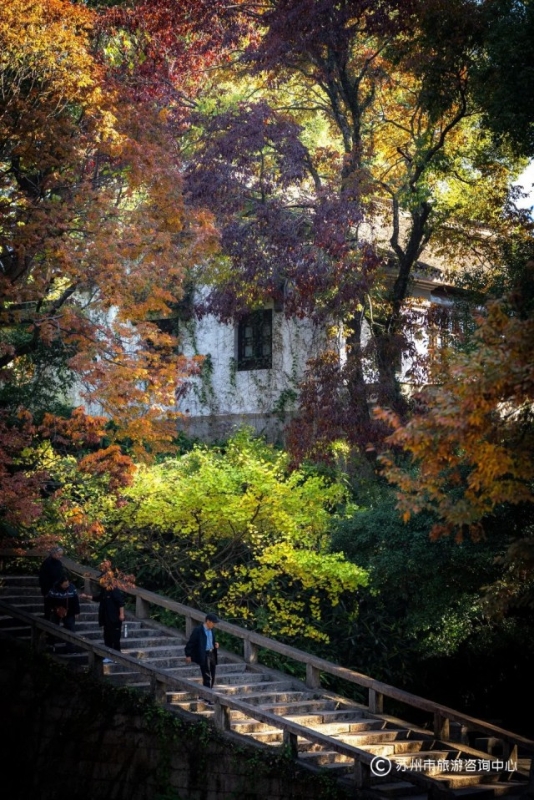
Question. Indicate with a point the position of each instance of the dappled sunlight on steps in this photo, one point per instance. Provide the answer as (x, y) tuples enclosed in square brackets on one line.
[(415, 763)]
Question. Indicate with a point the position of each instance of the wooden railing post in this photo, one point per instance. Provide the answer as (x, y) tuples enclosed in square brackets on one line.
[(313, 677), (362, 774), (142, 608), (290, 741), (158, 690), (221, 718), (38, 639), (376, 702), (95, 663), (441, 726), (250, 651)]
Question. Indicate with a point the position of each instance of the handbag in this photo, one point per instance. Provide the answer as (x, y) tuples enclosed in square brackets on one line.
[(60, 611)]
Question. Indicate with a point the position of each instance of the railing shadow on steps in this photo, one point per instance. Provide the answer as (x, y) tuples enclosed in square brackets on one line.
[(161, 682)]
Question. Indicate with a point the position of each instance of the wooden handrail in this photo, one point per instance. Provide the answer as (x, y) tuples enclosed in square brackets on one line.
[(314, 665), (163, 682)]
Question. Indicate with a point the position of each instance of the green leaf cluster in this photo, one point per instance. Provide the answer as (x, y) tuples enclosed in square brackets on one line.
[(233, 528)]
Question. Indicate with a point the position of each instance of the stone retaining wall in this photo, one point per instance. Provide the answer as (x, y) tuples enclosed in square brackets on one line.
[(69, 736)]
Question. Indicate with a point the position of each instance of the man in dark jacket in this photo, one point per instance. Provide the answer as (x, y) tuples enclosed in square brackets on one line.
[(64, 606), (202, 649), (50, 571), (110, 614)]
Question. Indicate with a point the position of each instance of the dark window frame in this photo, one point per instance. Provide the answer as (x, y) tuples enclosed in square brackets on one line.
[(255, 341)]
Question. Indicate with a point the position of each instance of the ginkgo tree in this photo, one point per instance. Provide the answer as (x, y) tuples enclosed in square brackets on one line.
[(233, 528)]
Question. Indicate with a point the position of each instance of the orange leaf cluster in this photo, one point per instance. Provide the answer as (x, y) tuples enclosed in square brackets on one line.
[(473, 444), (94, 236), (111, 578), (19, 491)]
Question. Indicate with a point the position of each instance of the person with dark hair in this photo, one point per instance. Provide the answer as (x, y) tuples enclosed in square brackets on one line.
[(50, 571), (64, 606), (110, 609), (202, 648)]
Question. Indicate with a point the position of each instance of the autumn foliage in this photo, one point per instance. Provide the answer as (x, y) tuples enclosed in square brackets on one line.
[(472, 444), (94, 238)]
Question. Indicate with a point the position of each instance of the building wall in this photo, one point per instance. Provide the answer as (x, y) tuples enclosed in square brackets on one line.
[(224, 397)]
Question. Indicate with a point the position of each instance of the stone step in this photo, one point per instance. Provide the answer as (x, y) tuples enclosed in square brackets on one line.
[(26, 601), (176, 661), (193, 673), (121, 676), (235, 684), (363, 737), (242, 686), (37, 608), (291, 707), (33, 605), (284, 697), (223, 690), (222, 668), (132, 646), (21, 597), (157, 652), (19, 581), (343, 726), (332, 715), (455, 781), (20, 591), (327, 758), (226, 667), (181, 697), (411, 746), (90, 628), (246, 726)]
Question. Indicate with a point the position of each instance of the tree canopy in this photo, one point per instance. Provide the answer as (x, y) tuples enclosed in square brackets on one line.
[(349, 149), (94, 238), (230, 527), (318, 155)]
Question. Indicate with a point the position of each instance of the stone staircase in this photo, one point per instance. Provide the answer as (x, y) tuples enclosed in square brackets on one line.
[(410, 761)]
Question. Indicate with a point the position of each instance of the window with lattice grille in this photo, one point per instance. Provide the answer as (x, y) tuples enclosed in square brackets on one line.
[(255, 341)]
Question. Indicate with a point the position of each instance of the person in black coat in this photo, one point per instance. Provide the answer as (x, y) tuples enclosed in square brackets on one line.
[(110, 613), (202, 649), (64, 606), (50, 571)]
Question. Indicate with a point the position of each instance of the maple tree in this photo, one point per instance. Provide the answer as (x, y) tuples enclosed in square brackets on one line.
[(471, 443), (350, 144), (94, 239)]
